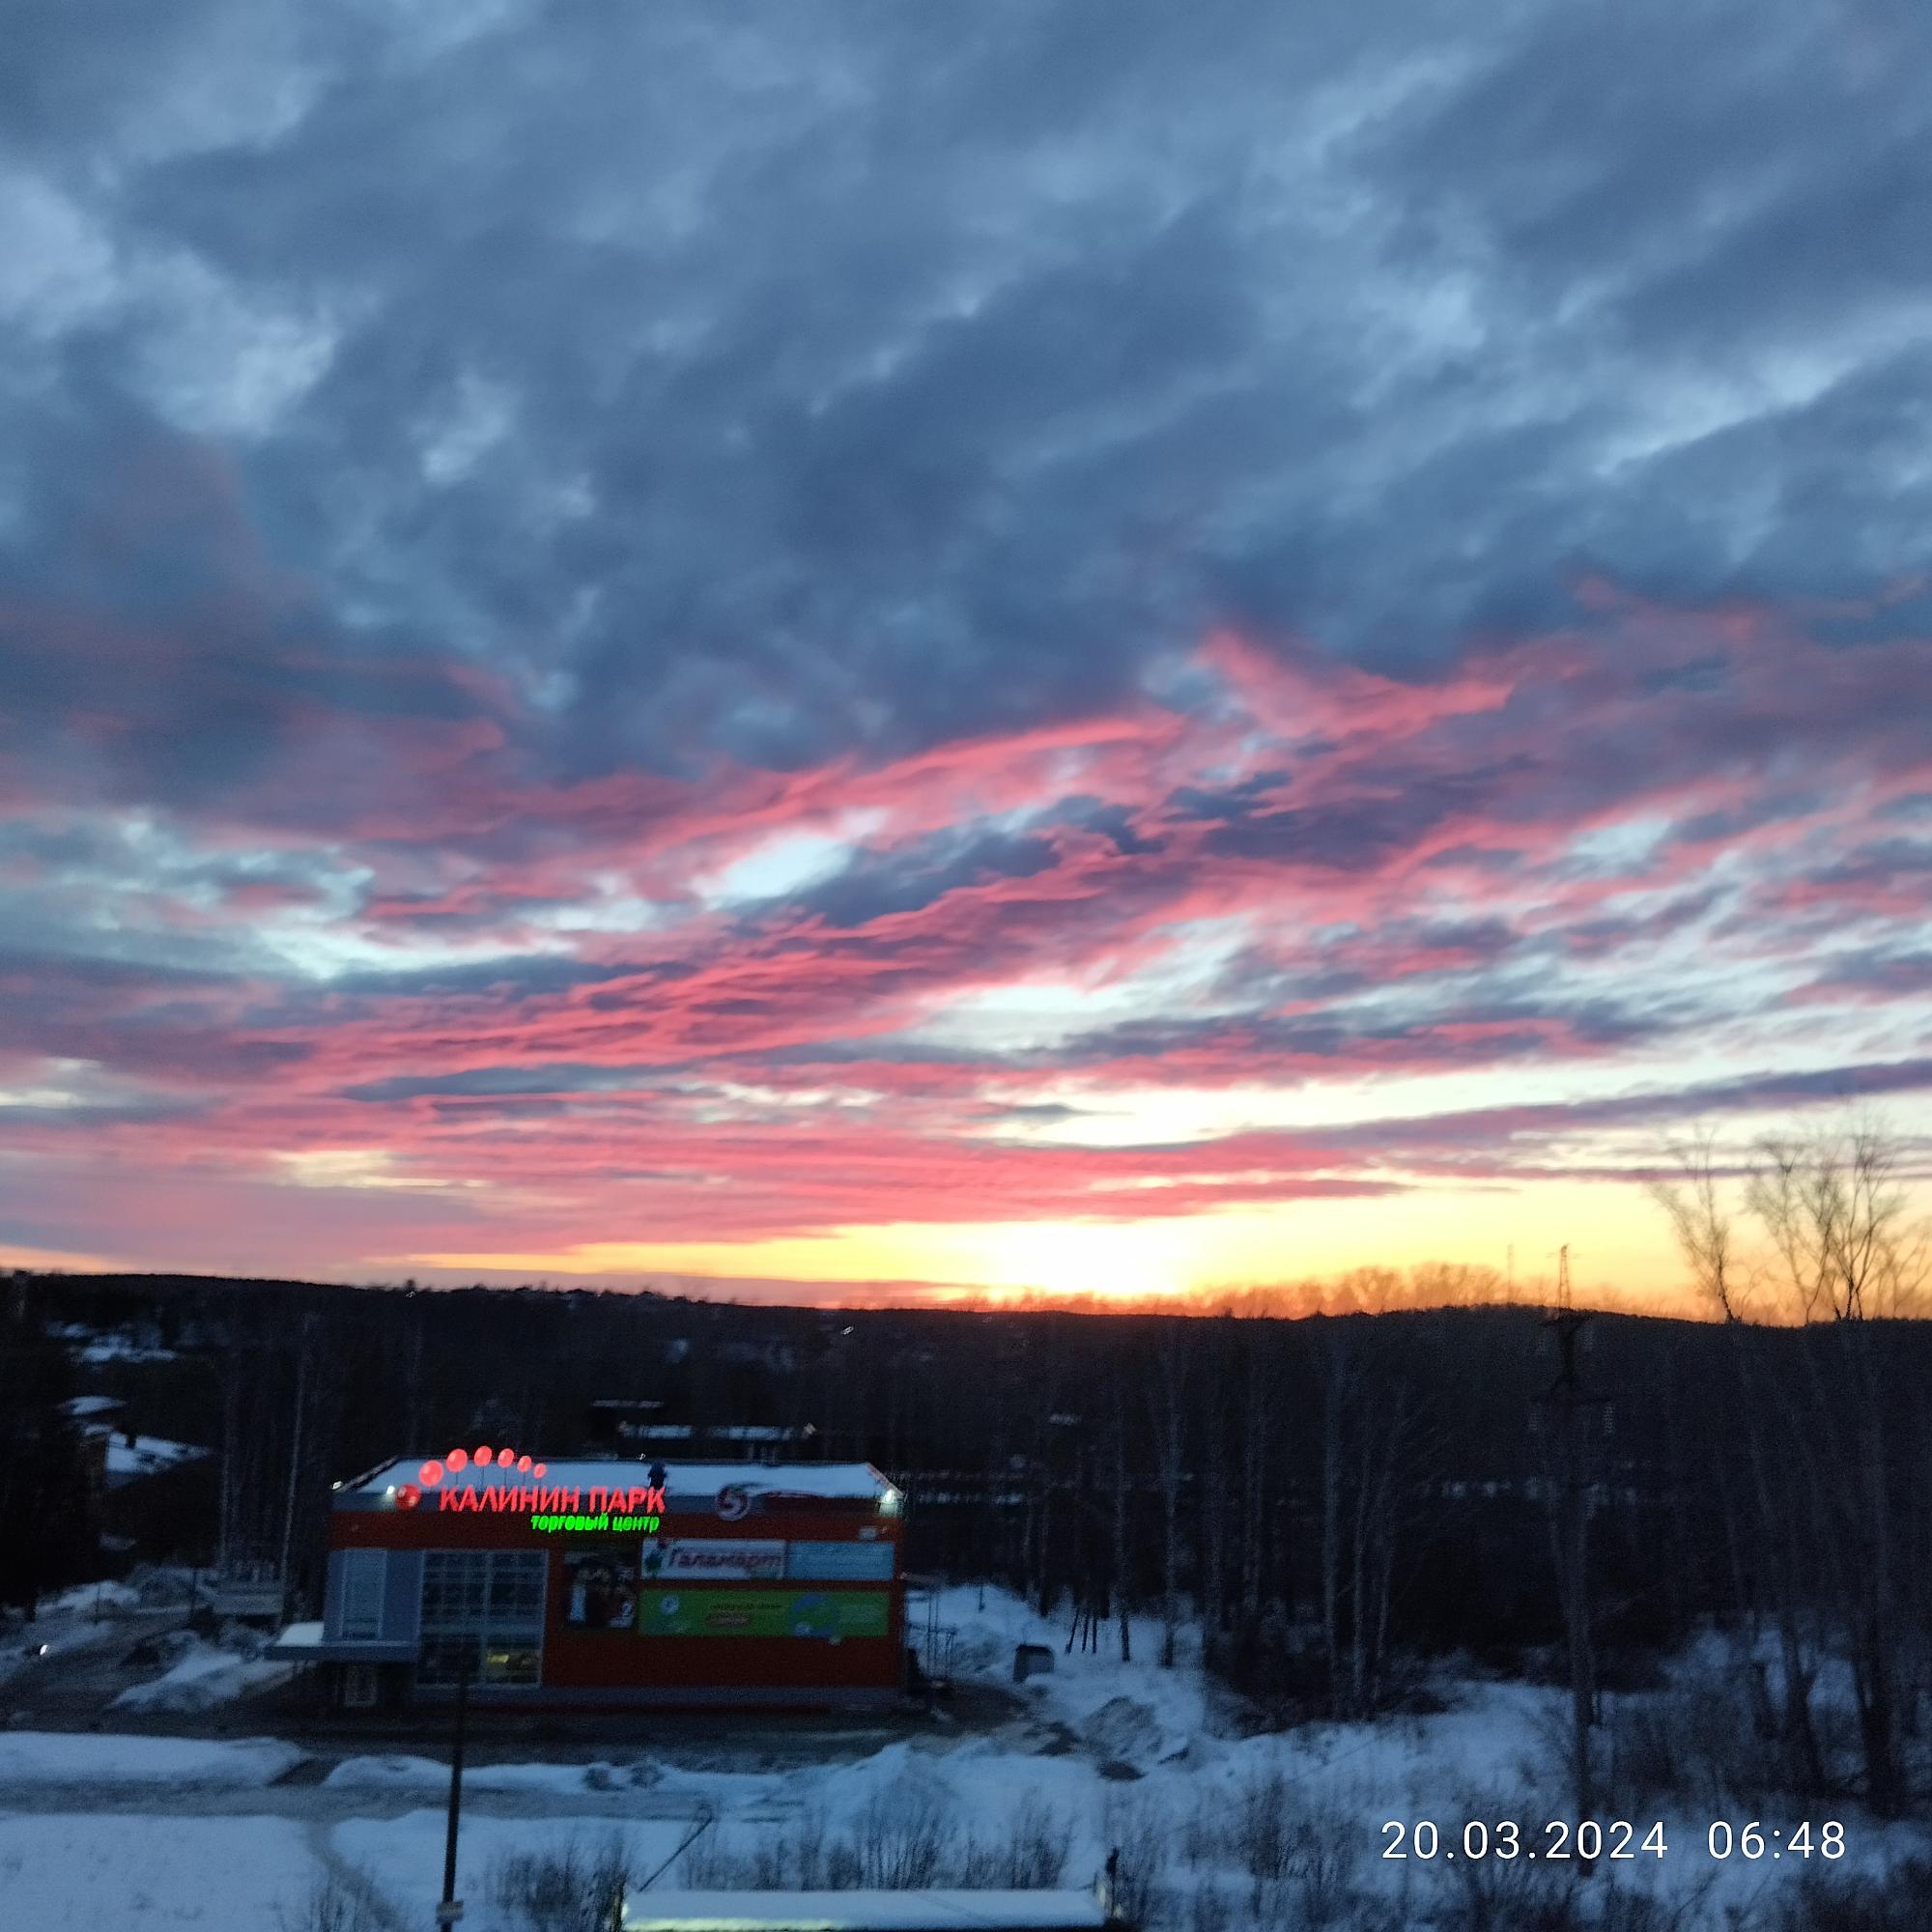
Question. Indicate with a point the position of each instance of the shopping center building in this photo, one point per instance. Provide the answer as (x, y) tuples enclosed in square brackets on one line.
[(602, 1584)]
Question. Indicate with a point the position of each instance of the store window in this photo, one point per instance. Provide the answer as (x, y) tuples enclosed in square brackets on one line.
[(486, 1605), (362, 1576)]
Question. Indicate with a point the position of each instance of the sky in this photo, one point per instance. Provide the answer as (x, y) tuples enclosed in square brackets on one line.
[(839, 649)]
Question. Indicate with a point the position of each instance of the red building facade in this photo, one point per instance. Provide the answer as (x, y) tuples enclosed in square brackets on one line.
[(602, 1584)]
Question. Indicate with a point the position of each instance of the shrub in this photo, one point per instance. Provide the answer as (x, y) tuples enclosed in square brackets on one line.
[(1210, 1910), (567, 1891), (901, 1838), (1322, 1872), (1699, 1744), (1262, 1828), (339, 1903), (1899, 1902), (1201, 1835), (1643, 1912), (709, 1863), (1136, 1837), (1038, 1839)]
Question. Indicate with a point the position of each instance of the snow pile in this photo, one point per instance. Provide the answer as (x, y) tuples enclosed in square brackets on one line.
[(901, 1773), (1126, 1732), (201, 1676), (989, 1624)]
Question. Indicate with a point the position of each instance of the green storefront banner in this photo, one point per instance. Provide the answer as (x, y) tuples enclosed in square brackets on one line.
[(819, 1613)]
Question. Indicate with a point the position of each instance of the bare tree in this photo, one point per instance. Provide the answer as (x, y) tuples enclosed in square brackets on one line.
[(1830, 1479), (1211, 1511), (1340, 1375), (1565, 1435), (1170, 1436), (1257, 1415), (1704, 1227), (1835, 1211), (1711, 1243), (1837, 1214), (1368, 1437), (1122, 1585)]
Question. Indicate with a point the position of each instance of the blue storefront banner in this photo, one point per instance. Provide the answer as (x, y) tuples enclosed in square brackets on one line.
[(839, 1562)]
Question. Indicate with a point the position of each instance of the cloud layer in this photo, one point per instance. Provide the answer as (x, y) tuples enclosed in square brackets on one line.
[(623, 632)]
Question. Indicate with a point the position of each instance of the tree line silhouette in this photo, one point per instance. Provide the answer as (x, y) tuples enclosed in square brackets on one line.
[(1326, 1505)]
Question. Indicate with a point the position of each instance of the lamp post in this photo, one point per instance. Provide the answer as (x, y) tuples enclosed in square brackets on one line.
[(451, 1908)]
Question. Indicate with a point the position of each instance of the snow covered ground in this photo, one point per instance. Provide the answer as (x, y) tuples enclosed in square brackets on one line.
[(78, 1872), (40, 1759), (87, 1620), (147, 1456), (1219, 1830)]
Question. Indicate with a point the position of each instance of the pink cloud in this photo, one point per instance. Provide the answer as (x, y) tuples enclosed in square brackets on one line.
[(1422, 873)]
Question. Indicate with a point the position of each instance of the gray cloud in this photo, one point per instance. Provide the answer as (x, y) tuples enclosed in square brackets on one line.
[(442, 446), (858, 377)]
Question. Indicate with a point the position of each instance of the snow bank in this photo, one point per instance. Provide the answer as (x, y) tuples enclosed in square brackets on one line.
[(87, 1757), (401, 1773)]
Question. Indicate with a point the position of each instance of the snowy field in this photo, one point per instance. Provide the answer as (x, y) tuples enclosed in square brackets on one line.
[(1217, 1831)]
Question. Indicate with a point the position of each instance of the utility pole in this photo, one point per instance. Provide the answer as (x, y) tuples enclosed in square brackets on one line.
[(451, 1908), (1563, 1405)]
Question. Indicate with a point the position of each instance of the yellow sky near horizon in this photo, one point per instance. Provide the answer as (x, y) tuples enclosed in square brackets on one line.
[(1621, 1251)]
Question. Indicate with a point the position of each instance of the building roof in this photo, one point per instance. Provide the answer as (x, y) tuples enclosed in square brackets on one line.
[(305, 1643), (863, 1911), (685, 1483)]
